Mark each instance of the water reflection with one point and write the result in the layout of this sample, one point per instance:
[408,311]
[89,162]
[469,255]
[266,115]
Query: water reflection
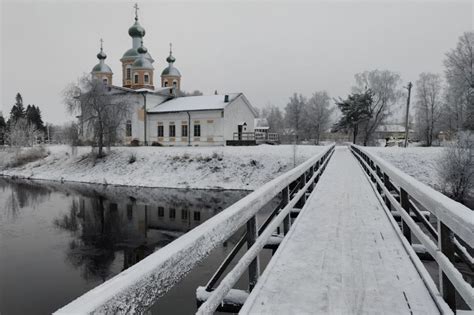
[87,234]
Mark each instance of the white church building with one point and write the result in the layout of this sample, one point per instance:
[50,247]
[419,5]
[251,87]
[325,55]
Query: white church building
[160,116]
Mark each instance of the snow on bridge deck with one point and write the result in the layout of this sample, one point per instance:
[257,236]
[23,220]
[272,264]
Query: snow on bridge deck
[342,255]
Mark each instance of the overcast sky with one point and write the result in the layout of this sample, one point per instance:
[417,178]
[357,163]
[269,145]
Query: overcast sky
[267,50]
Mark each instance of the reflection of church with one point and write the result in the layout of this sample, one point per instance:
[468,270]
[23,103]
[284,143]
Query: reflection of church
[136,229]
[159,115]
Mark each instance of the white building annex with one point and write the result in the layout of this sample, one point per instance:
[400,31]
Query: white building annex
[160,115]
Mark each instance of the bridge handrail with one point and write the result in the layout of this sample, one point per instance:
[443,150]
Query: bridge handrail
[455,215]
[442,251]
[137,287]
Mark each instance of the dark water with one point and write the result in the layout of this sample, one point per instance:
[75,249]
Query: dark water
[58,241]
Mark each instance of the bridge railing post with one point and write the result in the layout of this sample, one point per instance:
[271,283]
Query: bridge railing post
[285,197]
[379,189]
[405,203]
[254,267]
[446,245]
[386,182]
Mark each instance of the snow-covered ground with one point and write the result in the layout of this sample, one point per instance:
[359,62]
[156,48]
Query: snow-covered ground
[174,167]
[419,162]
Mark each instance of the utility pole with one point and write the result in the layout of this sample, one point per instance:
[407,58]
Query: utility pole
[408,110]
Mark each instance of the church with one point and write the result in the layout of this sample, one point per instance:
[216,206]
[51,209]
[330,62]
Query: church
[160,115]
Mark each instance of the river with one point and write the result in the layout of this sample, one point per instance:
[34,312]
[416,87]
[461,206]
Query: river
[59,240]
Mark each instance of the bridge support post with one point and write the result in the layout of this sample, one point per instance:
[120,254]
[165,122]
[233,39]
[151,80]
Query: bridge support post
[446,245]
[285,197]
[302,200]
[405,202]
[254,267]
[386,182]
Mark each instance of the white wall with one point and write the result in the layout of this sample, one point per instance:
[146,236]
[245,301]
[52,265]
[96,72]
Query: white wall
[212,133]
[234,114]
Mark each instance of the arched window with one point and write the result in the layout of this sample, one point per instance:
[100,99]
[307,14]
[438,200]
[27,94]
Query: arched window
[128,71]
[165,83]
[128,128]
[105,80]
[135,78]
[175,83]
[146,78]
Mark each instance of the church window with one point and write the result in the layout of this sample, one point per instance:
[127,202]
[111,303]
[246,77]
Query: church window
[161,212]
[105,80]
[129,73]
[175,83]
[160,130]
[184,130]
[146,78]
[172,213]
[172,131]
[128,128]
[166,83]
[197,130]
[135,78]
[197,216]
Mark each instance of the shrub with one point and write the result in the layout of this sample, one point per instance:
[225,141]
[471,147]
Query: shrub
[456,167]
[134,143]
[27,156]
[132,158]
[156,144]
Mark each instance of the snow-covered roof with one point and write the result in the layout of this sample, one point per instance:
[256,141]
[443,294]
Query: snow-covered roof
[261,123]
[390,128]
[194,103]
[148,90]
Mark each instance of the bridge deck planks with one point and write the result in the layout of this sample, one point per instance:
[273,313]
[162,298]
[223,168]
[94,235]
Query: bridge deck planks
[342,256]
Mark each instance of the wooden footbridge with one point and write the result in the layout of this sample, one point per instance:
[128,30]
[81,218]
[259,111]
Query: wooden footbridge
[343,239]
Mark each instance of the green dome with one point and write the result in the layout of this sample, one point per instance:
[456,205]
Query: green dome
[102,68]
[136,30]
[171,58]
[171,71]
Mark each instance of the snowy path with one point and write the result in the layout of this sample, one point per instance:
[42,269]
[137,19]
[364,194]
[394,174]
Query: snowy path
[342,255]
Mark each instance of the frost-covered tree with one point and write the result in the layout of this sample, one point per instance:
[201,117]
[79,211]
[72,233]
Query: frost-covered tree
[295,115]
[456,167]
[459,74]
[101,112]
[356,111]
[274,117]
[318,115]
[428,105]
[386,88]
[21,133]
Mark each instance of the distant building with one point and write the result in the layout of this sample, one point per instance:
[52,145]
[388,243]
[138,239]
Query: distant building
[158,115]
[395,131]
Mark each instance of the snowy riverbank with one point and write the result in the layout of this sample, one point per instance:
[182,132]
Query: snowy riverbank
[174,167]
[419,162]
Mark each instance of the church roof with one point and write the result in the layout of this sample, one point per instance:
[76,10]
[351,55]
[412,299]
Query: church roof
[194,103]
[132,53]
[101,67]
[171,71]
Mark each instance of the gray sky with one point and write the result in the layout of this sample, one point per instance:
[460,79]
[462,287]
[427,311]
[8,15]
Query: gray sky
[268,50]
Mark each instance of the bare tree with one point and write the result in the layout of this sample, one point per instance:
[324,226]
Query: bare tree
[102,113]
[456,167]
[294,114]
[274,117]
[385,86]
[21,133]
[318,115]
[459,73]
[428,105]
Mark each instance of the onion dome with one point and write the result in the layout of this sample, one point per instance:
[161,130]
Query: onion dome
[101,66]
[142,62]
[136,30]
[171,69]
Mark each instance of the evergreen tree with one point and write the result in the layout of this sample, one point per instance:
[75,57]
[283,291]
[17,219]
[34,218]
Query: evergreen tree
[355,110]
[3,127]
[18,110]
[33,116]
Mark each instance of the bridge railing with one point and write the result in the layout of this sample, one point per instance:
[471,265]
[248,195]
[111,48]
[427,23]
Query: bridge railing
[137,288]
[455,222]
